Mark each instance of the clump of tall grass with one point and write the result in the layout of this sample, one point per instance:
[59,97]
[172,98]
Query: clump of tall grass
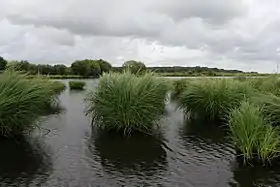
[22,101]
[270,105]
[76,85]
[57,86]
[253,135]
[178,87]
[213,99]
[127,102]
[267,85]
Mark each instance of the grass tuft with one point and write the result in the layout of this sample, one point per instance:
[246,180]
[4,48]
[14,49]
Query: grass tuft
[253,134]
[22,101]
[77,85]
[127,102]
[213,99]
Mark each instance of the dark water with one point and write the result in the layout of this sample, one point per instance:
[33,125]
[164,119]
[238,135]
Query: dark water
[67,152]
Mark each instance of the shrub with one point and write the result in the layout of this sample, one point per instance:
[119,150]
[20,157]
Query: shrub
[77,85]
[22,101]
[127,102]
[213,99]
[252,134]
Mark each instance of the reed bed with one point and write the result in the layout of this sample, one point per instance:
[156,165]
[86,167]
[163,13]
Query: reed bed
[126,102]
[213,99]
[253,135]
[77,85]
[22,101]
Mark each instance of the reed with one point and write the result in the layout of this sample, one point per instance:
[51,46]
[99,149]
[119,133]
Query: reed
[213,99]
[253,135]
[22,101]
[76,85]
[126,102]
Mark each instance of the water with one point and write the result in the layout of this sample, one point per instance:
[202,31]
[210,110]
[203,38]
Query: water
[67,152]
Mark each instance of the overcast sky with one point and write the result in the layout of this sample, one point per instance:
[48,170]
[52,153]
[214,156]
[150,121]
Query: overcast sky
[231,34]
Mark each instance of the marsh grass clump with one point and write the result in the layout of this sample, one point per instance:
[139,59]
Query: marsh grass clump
[253,135]
[267,85]
[213,99]
[126,102]
[270,105]
[178,87]
[57,86]
[22,101]
[76,85]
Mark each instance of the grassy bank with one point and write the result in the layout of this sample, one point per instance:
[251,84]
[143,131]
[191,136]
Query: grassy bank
[126,102]
[62,76]
[23,100]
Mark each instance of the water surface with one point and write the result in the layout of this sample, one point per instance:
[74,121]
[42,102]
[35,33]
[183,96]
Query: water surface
[68,152]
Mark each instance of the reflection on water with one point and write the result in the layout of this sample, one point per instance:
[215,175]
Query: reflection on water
[255,175]
[139,155]
[188,154]
[22,161]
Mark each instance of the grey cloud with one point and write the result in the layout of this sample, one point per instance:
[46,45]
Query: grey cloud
[213,11]
[223,33]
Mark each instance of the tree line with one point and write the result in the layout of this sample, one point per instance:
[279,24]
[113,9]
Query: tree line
[95,68]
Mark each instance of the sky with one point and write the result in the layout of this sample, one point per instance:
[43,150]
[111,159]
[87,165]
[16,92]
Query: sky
[229,34]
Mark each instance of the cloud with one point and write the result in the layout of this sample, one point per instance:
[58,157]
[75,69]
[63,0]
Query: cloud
[227,34]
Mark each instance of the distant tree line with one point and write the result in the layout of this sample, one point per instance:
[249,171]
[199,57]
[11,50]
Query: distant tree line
[94,68]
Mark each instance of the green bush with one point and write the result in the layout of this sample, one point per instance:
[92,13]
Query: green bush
[252,133]
[22,101]
[213,99]
[77,85]
[127,102]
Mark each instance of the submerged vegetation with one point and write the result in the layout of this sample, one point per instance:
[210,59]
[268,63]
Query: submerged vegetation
[23,100]
[76,85]
[126,102]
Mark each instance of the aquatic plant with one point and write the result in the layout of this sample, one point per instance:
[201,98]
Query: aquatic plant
[252,134]
[57,86]
[178,87]
[22,101]
[267,85]
[213,99]
[127,102]
[77,85]
[270,105]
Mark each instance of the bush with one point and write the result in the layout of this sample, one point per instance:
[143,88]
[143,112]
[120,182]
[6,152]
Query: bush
[76,85]
[22,101]
[127,102]
[213,99]
[252,134]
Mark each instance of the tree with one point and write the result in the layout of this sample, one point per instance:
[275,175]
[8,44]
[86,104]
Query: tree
[3,63]
[95,69]
[60,69]
[135,66]
[81,67]
[104,66]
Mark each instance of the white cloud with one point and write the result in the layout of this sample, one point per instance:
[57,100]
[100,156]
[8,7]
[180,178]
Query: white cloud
[216,33]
